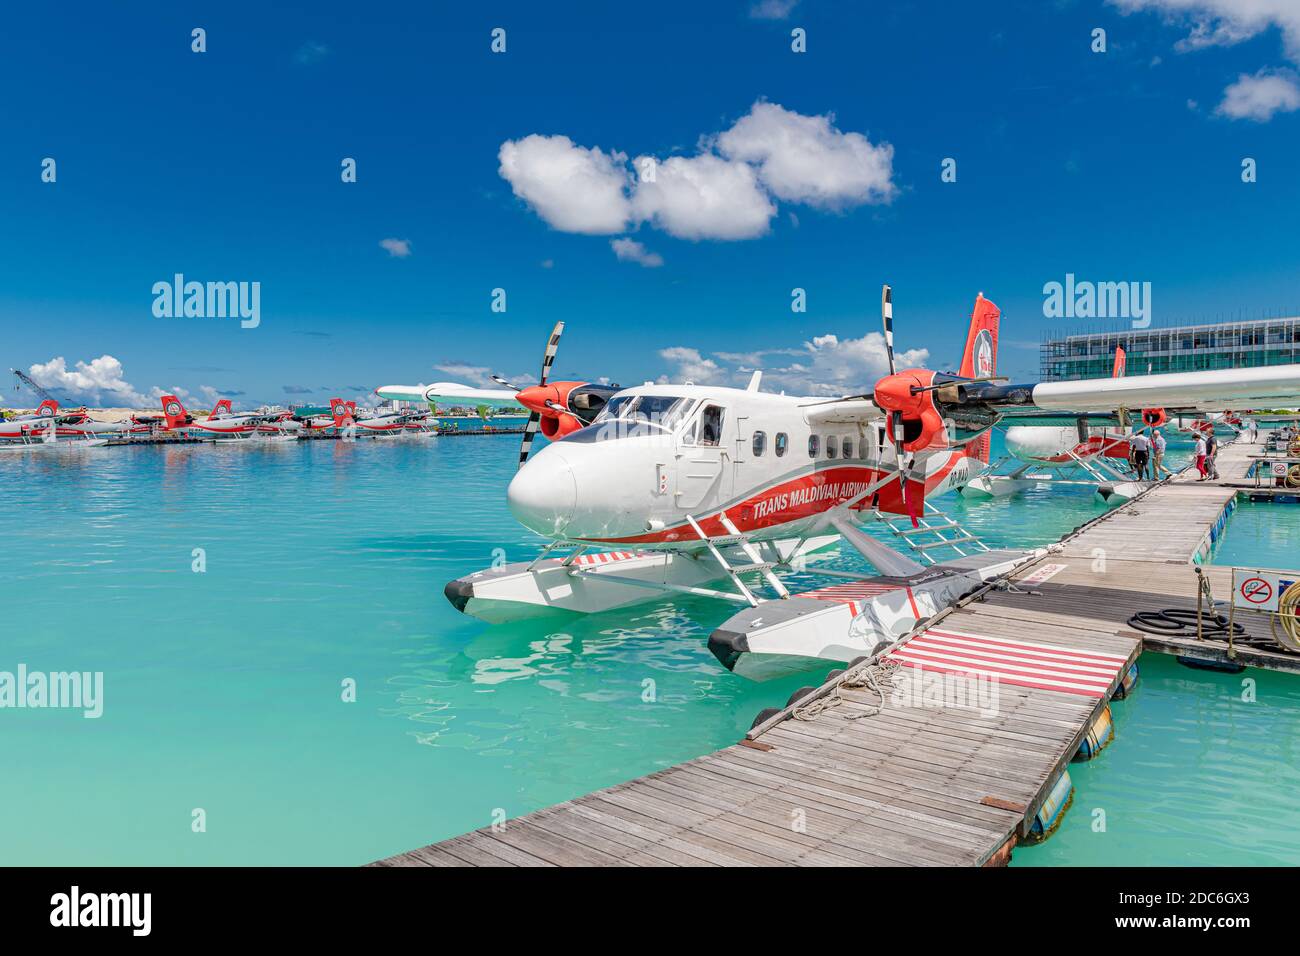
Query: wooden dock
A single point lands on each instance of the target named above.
(850, 777)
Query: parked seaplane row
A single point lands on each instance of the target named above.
(664, 490)
(49, 425)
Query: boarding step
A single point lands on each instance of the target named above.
(939, 526)
(947, 542)
(759, 566)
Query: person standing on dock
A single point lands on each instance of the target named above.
(1200, 456)
(1211, 449)
(1157, 453)
(1140, 445)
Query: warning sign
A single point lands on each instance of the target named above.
(1254, 589)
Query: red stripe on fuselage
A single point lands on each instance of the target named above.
(797, 499)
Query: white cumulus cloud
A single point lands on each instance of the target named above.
(806, 159)
(573, 188)
(100, 382)
(727, 191)
(772, 9)
(397, 248)
(1225, 22)
(1259, 96)
(629, 250)
(825, 365)
(704, 197)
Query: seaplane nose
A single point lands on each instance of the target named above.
(543, 494)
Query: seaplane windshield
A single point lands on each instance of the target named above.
(666, 411)
(633, 415)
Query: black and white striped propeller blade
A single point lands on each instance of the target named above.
(534, 419)
(887, 317)
(552, 346)
(530, 431)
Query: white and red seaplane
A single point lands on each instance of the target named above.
(674, 488)
(222, 424)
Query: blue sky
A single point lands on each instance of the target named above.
(225, 166)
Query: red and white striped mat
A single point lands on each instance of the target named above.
(604, 557)
(1012, 662)
(852, 593)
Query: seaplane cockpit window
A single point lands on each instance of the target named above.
(760, 444)
(782, 442)
(628, 415)
(814, 445)
(847, 448)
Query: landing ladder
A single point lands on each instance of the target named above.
(734, 571)
(934, 530)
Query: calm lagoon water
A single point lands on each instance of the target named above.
(325, 562)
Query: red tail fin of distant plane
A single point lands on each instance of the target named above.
(352, 412)
(221, 408)
(980, 360)
(48, 407)
(1118, 371)
(339, 409)
(174, 411)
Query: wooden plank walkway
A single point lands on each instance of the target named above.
(849, 782)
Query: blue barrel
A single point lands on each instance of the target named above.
(1100, 732)
(1127, 683)
(1052, 812)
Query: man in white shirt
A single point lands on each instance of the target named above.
(1158, 444)
(1140, 445)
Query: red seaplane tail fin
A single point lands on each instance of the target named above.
(221, 408)
(339, 409)
(980, 360)
(352, 411)
(47, 408)
(173, 411)
(1118, 371)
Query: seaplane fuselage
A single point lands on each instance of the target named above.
(660, 453)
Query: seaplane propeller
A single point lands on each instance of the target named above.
(535, 395)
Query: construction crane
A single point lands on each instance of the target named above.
(25, 379)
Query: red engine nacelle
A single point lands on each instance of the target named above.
(554, 424)
(1154, 417)
(922, 423)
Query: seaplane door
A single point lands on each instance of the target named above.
(704, 466)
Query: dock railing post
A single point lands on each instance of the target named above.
(1200, 601)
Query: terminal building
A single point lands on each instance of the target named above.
(1183, 348)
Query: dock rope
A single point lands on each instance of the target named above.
(1180, 622)
(1286, 622)
(878, 676)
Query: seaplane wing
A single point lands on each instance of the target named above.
(1218, 390)
(449, 393)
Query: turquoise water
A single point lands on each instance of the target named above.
(1205, 766)
(325, 562)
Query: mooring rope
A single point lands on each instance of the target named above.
(878, 676)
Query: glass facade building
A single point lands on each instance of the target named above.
(1184, 348)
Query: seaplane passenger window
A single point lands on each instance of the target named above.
(814, 445)
(710, 425)
(847, 448)
(830, 446)
(760, 444)
(782, 440)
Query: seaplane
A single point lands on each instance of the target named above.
(704, 491)
(222, 424)
(49, 424)
(556, 409)
(394, 424)
(1093, 446)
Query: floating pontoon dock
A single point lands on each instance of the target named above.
(846, 776)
